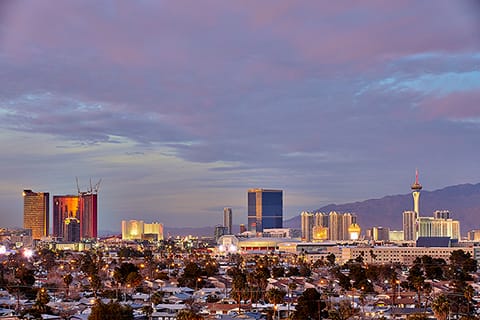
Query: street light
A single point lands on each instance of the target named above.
(398, 288)
(197, 282)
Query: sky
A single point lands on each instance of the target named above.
(181, 106)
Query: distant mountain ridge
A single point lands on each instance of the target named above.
(463, 202)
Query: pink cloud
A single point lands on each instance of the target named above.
(456, 106)
(178, 33)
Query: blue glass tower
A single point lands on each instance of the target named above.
(265, 209)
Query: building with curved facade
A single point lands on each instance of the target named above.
(36, 212)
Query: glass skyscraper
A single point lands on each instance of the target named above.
(64, 207)
(83, 207)
(265, 209)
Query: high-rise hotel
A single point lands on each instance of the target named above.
(227, 219)
(416, 226)
(88, 215)
(36, 212)
(64, 207)
(82, 207)
(265, 209)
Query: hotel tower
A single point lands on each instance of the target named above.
(36, 212)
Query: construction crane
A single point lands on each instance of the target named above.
(78, 187)
(97, 186)
(93, 187)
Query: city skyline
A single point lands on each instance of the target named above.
(180, 108)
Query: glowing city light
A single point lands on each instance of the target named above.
(28, 253)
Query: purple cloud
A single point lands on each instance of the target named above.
(320, 98)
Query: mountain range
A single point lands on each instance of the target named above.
(463, 202)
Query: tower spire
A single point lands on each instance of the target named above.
(416, 186)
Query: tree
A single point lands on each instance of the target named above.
(110, 311)
(41, 301)
(67, 279)
(293, 272)
(305, 270)
(157, 297)
(278, 272)
(433, 267)
(239, 285)
(148, 255)
(127, 252)
(39, 307)
(343, 311)
(47, 258)
(120, 274)
(373, 256)
(95, 283)
(23, 283)
(147, 310)
(262, 273)
(253, 285)
(310, 306)
(416, 279)
(211, 268)
(191, 273)
(468, 293)
(331, 259)
(275, 296)
(461, 265)
(89, 266)
(441, 307)
(343, 280)
(188, 315)
(359, 276)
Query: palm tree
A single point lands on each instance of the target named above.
(157, 297)
(468, 293)
(239, 285)
(275, 296)
(147, 311)
(291, 287)
(67, 279)
(252, 284)
(187, 314)
(95, 284)
(42, 300)
(343, 311)
(441, 307)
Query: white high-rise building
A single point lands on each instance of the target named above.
(307, 219)
(338, 224)
(139, 230)
(321, 219)
(409, 225)
(227, 219)
(438, 227)
(153, 230)
(132, 229)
